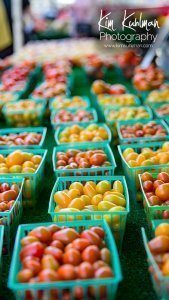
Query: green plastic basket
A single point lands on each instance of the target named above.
(57, 124)
(85, 99)
(109, 106)
(116, 220)
(33, 181)
(107, 170)
(45, 288)
(160, 282)
(23, 117)
(156, 114)
(41, 130)
(11, 219)
(1, 249)
(123, 140)
(152, 212)
(61, 128)
(131, 173)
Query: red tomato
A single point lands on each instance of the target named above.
(80, 244)
(99, 231)
(34, 249)
(159, 244)
(147, 176)
(32, 264)
(105, 255)
(148, 186)
(163, 192)
(53, 228)
(85, 270)
(104, 272)
(4, 187)
(67, 272)
(72, 256)
(57, 244)
(48, 275)
(55, 252)
(28, 240)
(69, 246)
(91, 236)
(91, 254)
(98, 264)
(41, 233)
(98, 159)
(66, 235)
(157, 183)
(25, 275)
(163, 176)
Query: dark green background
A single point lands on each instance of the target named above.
(136, 284)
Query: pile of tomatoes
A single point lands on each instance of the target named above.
(22, 138)
(77, 159)
(56, 253)
(101, 87)
(157, 190)
(8, 195)
(63, 116)
(159, 247)
(127, 61)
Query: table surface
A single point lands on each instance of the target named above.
(136, 284)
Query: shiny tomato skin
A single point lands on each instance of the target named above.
(32, 264)
(24, 275)
(91, 236)
(34, 249)
(41, 233)
(66, 235)
(163, 176)
(72, 256)
(91, 254)
(98, 264)
(85, 270)
(48, 275)
(104, 272)
(99, 231)
(28, 240)
(55, 252)
(159, 244)
(49, 262)
(80, 244)
(57, 244)
(163, 192)
(148, 186)
(53, 228)
(67, 272)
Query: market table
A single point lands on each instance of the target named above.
(136, 284)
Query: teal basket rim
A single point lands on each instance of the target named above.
(83, 147)
(12, 284)
(121, 148)
(89, 178)
(42, 130)
(90, 109)
(151, 258)
(21, 111)
(157, 105)
(61, 128)
(42, 152)
(157, 222)
(147, 108)
(155, 207)
(84, 98)
(137, 139)
(12, 179)
(109, 106)
(1, 238)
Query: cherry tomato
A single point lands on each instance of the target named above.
(25, 275)
(41, 233)
(91, 236)
(105, 255)
(34, 249)
(162, 229)
(67, 272)
(104, 272)
(85, 270)
(49, 262)
(99, 231)
(147, 176)
(98, 264)
(163, 192)
(91, 254)
(157, 183)
(55, 252)
(32, 264)
(159, 244)
(53, 228)
(48, 275)
(57, 244)
(80, 244)
(66, 235)
(72, 256)
(148, 186)
(163, 176)
(28, 240)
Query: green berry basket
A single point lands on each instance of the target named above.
(136, 101)
(131, 173)
(156, 114)
(92, 111)
(33, 181)
(61, 128)
(116, 220)
(143, 139)
(52, 102)
(105, 170)
(45, 289)
(25, 117)
(40, 130)
(11, 219)
(160, 282)
(1, 249)
(152, 212)
(113, 123)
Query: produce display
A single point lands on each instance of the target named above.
(62, 102)
(121, 100)
(64, 116)
(147, 156)
(142, 130)
(160, 95)
(127, 61)
(8, 196)
(20, 139)
(77, 159)
(49, 89)
(101, 87)
(148, 79)
(6, 97)
(162, 110)
(127, 113)
(24, 113)
(15, 78)
(78, 134)
(95, 65)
